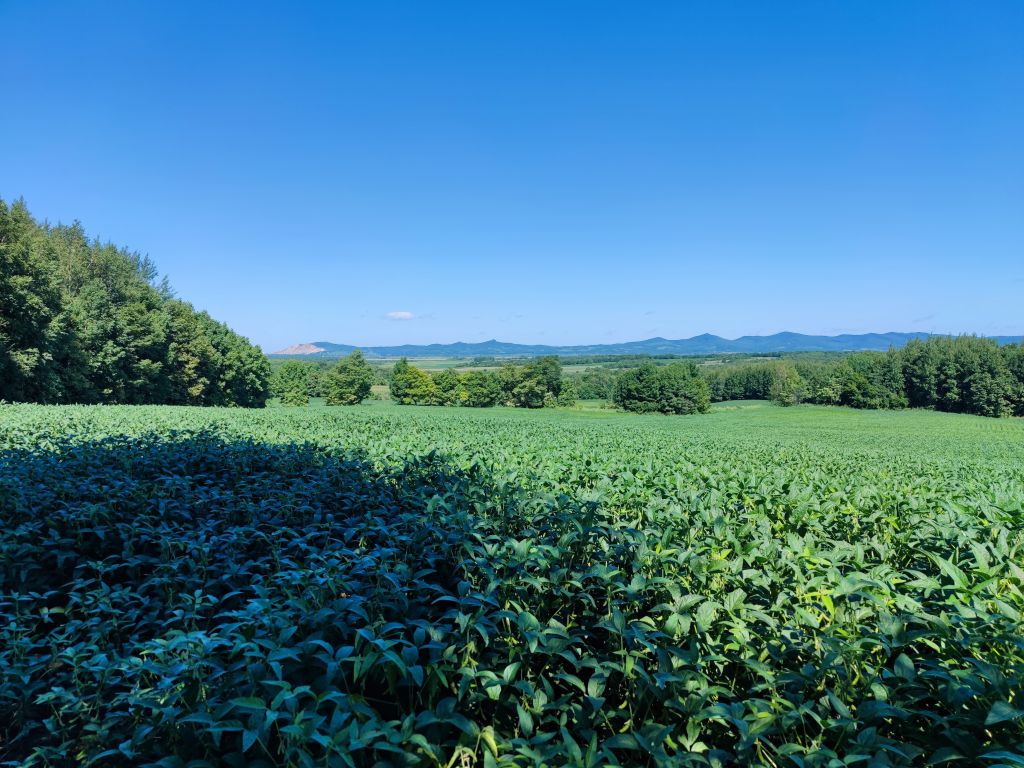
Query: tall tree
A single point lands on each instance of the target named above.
(349, 382)
(413, 386)
(787, 386)
(291, 383)
(28, 306)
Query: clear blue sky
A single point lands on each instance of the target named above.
(537, 172)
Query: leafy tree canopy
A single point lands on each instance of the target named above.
(348, 382)
(87, 322)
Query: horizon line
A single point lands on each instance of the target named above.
(652, 338)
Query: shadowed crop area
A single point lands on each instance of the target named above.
(427, 586)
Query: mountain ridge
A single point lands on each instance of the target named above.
(703, 344)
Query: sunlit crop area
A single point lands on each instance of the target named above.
(430, 586)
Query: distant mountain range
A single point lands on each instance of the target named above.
(705, 344)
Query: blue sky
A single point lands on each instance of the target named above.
(573, 172)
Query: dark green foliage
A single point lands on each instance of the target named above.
(859, 378)
(594, 384)
(509, 377)
(243, 373)
(548, 371)
(87, 322)
(449, 387)
(639, 389)
(554, 593)
(291, 383)
(29, 305)
(191, 359)
(749, 381)
(481, 388)
(964, 374)
(820, 384)
(683, 391)
(400, 381)
(677, 388)
(348, 382)
(1014, 357)
(529, 392)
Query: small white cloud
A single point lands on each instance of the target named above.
(402, 315)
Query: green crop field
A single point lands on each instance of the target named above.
(387, 585)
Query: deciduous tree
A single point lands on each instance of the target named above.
(348, 382)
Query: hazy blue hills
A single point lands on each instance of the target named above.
(705, 344)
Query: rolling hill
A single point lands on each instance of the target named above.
(705, 344)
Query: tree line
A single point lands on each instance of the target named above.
(964, 374)
(675, 388)
(87, 322)
(961, 374)
(536, 384)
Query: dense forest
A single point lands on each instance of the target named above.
(87, 322)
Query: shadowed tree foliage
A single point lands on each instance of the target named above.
(1014, 356)
(568, 394)
(400, 380)
(548, 371)
(87, 322)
